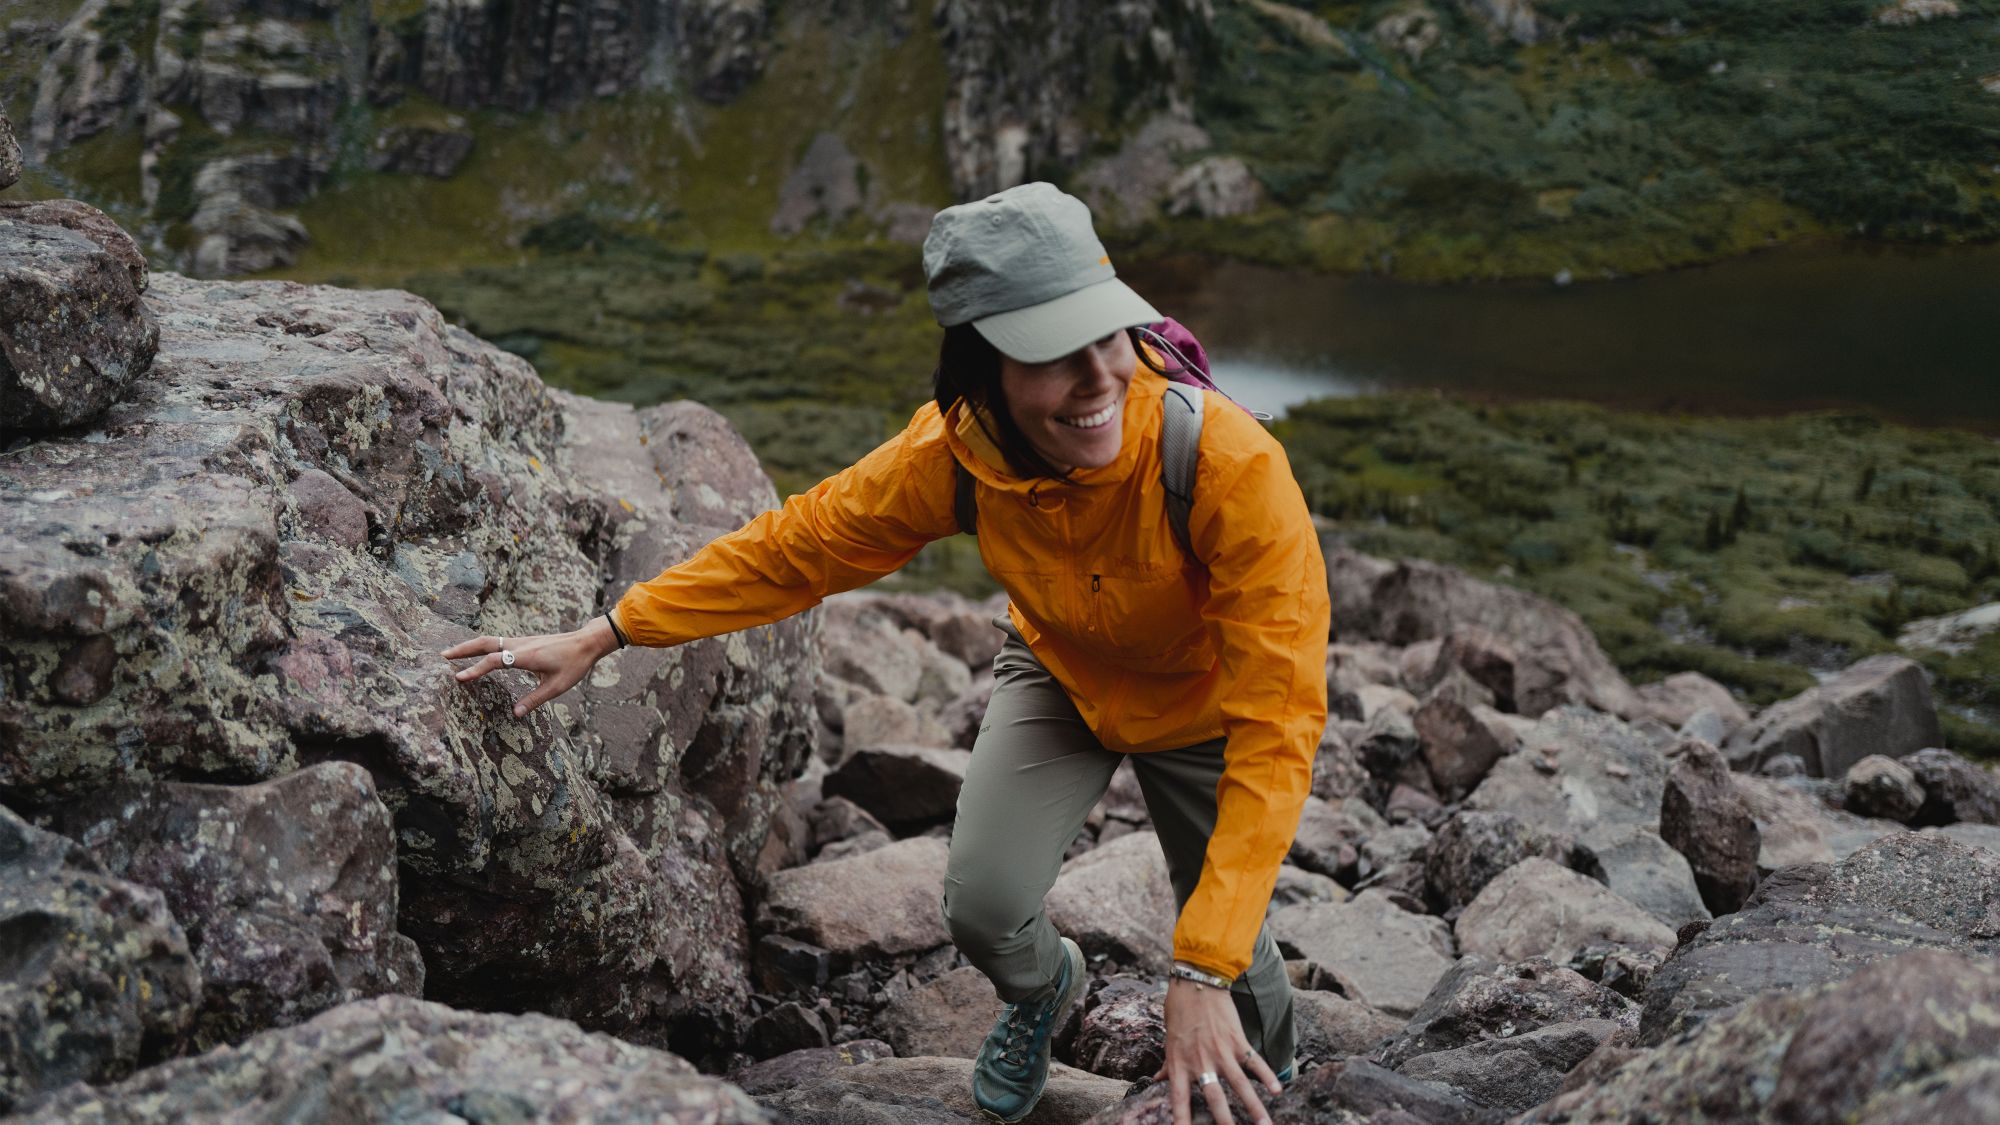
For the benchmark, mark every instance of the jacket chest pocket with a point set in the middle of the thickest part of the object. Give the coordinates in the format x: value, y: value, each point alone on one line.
x: 1146, y: 616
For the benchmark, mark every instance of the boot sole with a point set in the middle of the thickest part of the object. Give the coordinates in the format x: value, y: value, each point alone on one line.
x: 1069, y: 997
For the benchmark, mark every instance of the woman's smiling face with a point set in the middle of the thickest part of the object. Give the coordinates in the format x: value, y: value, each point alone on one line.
x: 1072, y: 409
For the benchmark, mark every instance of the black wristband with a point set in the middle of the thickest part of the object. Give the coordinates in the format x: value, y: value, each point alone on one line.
x: 616, y: 631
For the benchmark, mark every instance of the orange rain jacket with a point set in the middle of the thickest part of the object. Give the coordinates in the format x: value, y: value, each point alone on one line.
x: 1157, y: 654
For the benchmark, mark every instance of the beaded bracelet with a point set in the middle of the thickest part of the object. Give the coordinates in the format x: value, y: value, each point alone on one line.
x: 1189, y: 972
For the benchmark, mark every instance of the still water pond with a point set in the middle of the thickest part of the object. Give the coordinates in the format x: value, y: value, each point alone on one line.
x: 1912, y: 334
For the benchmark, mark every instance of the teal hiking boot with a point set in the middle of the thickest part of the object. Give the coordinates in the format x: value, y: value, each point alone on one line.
x: 1013, y: 1063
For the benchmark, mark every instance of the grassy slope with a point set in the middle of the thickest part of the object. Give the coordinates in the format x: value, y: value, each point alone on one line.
x: 1755, y: 551
x: 1618, y: 149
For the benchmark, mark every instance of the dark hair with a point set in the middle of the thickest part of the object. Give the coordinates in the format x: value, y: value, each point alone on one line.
x: 969, y: 369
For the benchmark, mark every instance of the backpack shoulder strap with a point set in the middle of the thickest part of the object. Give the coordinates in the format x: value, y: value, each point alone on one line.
x: 964, y: 504
x: 1180, y: 455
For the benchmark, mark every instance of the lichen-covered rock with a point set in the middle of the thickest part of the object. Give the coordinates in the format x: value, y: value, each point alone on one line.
x: 1391, y: 956
x: 1516, y: 1073
x: 1881, y: 705
x: 173, y: 611
x: 397, y: 1058
x: 10, y: 155
x: 1705, y: 819
x: 796, y: 1068
x: 865, y: 906
x: 1912, y: 1030
x: 1540, y: 909
x: 1813, y: 923
x: 1123, y: 1033
x: 95, y: 976
x: 286, y: 890
x: 74, y: 332
x: 1481, y: 999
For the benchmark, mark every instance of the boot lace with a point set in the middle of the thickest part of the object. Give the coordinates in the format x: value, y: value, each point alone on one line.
x: 1017, y: 1032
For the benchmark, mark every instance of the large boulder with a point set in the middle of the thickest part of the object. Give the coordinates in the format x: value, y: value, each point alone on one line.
x: 1908, y: 1038
x: 1883, y: 787
x: 1955, y: 790
x: 880, y: 903
x: 1481, y: 1000
x: 286, y: 889
x: 1881, y: 705
x: 75, y: 334
x: 1601, y: 780
x: 1794, y: 826
x: 908, y: 788
x: 947, y: 1016
x: 95, y: 976
x: 1705, y: 819
x: 1330, y: 835
x: 1331, y: 1026
x: 1519, y: 1072
x: 1537, y: 908
x: 1549, y: 656
x: 1475, y: 845
x: 1680, y: 697
x: 174, y: 610
x: 930, y: 1091
x: 1117, y: 901
x: 1813, y: 923
x: 1391, y: 956
x: 397, y: 1058
x: 796, y: 1068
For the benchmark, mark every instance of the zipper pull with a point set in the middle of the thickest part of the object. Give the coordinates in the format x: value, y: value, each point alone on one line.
x: 1093, y: 583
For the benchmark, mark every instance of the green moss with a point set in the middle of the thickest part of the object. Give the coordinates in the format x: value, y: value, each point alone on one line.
x: 109, y: 163
x: 1733, y: 547
x: 1634, y: 151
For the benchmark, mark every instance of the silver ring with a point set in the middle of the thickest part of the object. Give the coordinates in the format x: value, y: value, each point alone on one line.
x: 507, y: 657
x: 1206, y: 1079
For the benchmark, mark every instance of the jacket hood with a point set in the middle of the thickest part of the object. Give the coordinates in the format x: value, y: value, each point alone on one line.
x: 1140, y: 421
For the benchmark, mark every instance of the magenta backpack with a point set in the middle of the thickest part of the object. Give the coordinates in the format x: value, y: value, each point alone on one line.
x: 1187, y: 360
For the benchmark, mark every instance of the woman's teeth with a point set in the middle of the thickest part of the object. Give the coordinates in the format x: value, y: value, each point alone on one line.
x: 1092, y: 421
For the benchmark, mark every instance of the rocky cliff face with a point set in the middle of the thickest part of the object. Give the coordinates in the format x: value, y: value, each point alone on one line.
x: 1035, y: 87
x: 249, y: 565
x: 247, y: 107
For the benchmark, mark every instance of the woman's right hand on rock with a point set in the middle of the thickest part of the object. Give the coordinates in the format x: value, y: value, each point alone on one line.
x: 557, y: 660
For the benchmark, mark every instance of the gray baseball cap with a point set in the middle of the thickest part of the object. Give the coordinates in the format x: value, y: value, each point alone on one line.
x: 1025, y: 268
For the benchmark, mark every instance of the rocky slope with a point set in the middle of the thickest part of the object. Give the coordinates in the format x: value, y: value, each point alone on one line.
x: 250, y: 819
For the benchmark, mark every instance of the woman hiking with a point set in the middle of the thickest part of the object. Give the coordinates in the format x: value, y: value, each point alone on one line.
x: 1203, y: 664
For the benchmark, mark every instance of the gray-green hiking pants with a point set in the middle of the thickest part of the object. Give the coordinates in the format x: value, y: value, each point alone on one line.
x: 1036, y: 772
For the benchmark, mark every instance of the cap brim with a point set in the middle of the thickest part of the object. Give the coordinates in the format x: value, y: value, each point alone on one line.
x: 1053, y: 329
